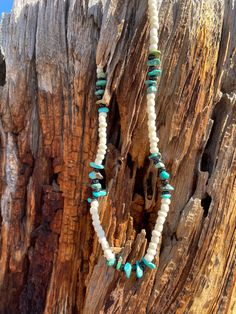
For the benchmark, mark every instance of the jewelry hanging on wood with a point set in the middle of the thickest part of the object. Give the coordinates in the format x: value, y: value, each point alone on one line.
x: 154, y: 72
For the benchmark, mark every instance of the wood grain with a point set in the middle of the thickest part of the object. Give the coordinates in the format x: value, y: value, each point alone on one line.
x: 50, y: 258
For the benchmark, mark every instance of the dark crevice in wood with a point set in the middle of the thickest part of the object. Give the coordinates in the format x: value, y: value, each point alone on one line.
x: 114, y: 124
x: 67, y: 6
x: 2, y: 70
x: 138, y: 184
x: 130, y: 164
x: 149, y: 186
x: 206, y: 203
x: 209, y: 156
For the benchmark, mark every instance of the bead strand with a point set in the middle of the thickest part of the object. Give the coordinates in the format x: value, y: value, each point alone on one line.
x: 95, y: 175
x: 153, y: 73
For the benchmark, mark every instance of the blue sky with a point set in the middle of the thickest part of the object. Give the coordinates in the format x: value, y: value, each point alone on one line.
x: 5, y: 6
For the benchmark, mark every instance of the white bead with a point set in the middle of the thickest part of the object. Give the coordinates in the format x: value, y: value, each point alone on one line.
x: 103, y: 140
x: 153, y: 146
x: 101, y: 128
x: 156, y: 239
x: 104, y: 114
x: 104, y: 243
x: 151, y: 252
x: 154, y: 140
x: 165, y: 207
x: 154, y: 18
x: 153, y: 32
x: 102, y: 146
x: 102, y: 134
x: 154, y: 150
x: 98, y: 228
x: 151, y: 101
x: 165, y: 201
x: 100, y: 70
x: 150, y: 109
x: 155, y: 233
x: 152, y: 133
x: 160, y: 220
x: 102, y: 124
x: 149, y: 257
x: 152, y: 10
x: 152, y: 116
x: 151, y: 122
x: 100, y: 156
x: 96, y: 223
x: 101, y: 151
x: 99, y: 161
x: 153, y: 245
x: 100, y: 233
x: 108, y: 254
x: 152, y: 137
x: 101, y: 115
x: 94, y: 203
x: 153, y: 47
x: 93, y: 210
x: 150, y: 2
x: 151, y: 96
x: 152, y: 6
x: 159, y: 228
x: 153, y: 40
x: 162, y: 214
x: 154, y: 24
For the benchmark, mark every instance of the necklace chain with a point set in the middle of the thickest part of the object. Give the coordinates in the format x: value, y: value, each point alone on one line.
x: 154, y: 72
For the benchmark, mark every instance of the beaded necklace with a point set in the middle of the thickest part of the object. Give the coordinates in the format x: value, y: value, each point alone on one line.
x: 154, y: 72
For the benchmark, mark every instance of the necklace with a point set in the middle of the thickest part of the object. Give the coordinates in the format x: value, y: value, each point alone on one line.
x: 154, y: 72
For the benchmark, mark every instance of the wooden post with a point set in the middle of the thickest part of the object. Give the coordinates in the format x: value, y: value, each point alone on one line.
x: 50, y: 259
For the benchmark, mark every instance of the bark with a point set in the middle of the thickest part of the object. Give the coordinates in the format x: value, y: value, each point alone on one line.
x: 50, y: 259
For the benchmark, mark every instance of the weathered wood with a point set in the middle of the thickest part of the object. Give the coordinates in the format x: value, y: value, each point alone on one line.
x: 50, y: 259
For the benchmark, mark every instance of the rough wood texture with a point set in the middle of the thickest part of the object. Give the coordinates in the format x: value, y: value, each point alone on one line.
x: 50, y: 259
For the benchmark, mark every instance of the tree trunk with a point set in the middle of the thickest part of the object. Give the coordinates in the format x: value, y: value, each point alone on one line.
x: 50, y: 258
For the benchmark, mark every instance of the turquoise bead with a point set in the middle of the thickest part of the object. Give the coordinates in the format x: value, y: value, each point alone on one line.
x: 119, y: 263
x: 153, y: 62
x: 128, y: 270
x: 95, y: 175
x: 96, y: 186
x: 99, y: 92
x: 103, y: 109
x: 111, y: 262
x: 151, y: 82
x: 92, y: 175
x: 154, y: 72
x: 151, y: 89
x: 153, y: 156
x: 99, y: 193
x: 165, y: 196
x: 96, y: 166
x: 139, y: 271
x: 148, y: 264
x: 167, y: 187
x: 101, y: 83
x: 89, y: 200
x: 164, y: 175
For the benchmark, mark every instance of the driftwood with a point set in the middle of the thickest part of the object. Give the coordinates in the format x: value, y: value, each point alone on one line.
x: 50, y: 259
